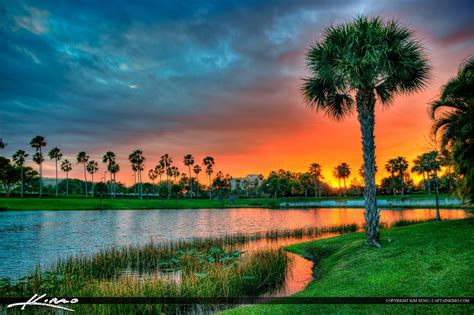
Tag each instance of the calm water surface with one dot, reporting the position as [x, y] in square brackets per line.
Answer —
[29, 238]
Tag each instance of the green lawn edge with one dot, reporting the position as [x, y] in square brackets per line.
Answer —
[432, 259]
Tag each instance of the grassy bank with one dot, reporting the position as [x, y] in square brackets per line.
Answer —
[120, 204]
[433, 259]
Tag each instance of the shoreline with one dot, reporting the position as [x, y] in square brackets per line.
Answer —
[345, 262]
[78, 203]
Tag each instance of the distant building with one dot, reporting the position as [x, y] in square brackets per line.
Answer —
[243, 183]
[50, 181]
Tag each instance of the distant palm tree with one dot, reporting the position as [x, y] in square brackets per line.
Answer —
[92, 168]
[19, 158]
[56, 155]
[401, 165]
[189, 161]
[109, 159]
[174, 173]
[453, 116]
[316, 172]
[38, 158]
[152, 176]
[391, 167]
[159, 171]
[83, 158]
[114, 168]
[38, 143]
[166, 162]
[342, 171]
[2, 144]
[208, 162]
[137, 159]
[420, 169]
[433, 166]
[66, 167]
[353, 66]
[197, 169]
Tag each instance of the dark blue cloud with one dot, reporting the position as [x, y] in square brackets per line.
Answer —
[89, 72]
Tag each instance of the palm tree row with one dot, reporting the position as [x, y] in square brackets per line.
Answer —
[91, 167]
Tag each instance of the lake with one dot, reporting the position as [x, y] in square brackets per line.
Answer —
[29, 238]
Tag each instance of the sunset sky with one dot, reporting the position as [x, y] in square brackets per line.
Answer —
[219, 78]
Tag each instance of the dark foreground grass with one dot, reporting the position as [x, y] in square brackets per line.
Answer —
[75, 203]
[432, 259]
[202, 272]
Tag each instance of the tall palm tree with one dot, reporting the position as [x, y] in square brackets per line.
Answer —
[208, 162]
[453, 116]
[317, 175]
[56, 155]
[355, 65]
[83, 158]
[197, 169]
[92, 168]
[19, 158]
[109, 159]
[166, 161]
[66, 167]
[38, 143]
[189, 161]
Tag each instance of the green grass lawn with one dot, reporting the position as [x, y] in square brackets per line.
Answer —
[425, 260]
[81, 203]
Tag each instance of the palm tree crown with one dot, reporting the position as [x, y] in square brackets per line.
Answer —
[20, 157]
[453, 116]
[367, 55]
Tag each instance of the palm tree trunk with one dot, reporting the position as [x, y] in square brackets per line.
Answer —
[190, 183]
[429, 184]
[403, 183]
[56, 177]
[40, 179]
[22, 182]
[366, 117]
[67, 184]
[393, 186]
[92, 186]
[85, 178]
[339, 187]
[424, 181]
[111, 185]
[438, 217]
[345, 188]
[210, 188]
[140, 183]
[315, 187]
